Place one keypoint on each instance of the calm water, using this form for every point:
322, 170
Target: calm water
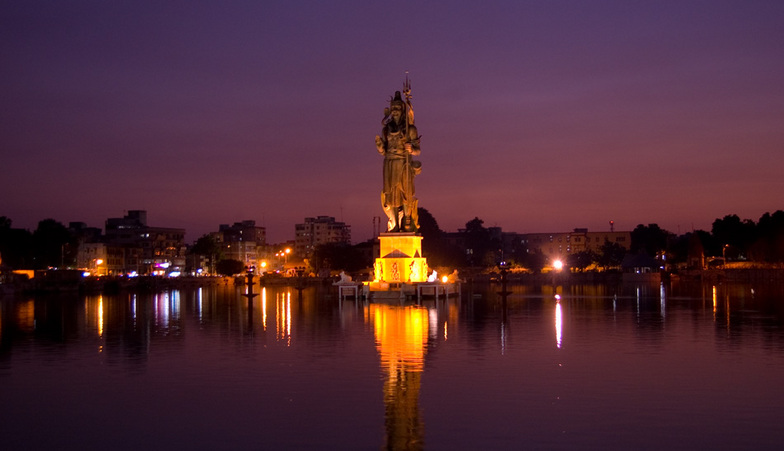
605, 368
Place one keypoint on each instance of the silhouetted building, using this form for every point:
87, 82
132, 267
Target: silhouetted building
133, 246
560, 245
319, 230
243, 241
243, 231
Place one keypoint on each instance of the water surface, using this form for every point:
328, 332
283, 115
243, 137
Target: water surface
580, 367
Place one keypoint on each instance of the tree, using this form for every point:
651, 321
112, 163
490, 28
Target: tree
611, 254
337, 256
736, 234
769, 244
649, 239
535, 260
208, 246
480, 247
581, 260
16, 245
434, 245
51, 242
229, 267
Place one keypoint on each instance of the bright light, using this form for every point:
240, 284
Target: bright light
174, 274
558, 265
99, 262
557, 297
444, 279
263, 264
86, 274
288, 251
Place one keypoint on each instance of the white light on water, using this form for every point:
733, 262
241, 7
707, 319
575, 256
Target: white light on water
558, 325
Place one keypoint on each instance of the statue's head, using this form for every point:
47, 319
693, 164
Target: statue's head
397, 107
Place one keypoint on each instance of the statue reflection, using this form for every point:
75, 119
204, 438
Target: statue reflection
401, 337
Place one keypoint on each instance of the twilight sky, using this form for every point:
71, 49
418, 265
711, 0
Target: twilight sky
535, 116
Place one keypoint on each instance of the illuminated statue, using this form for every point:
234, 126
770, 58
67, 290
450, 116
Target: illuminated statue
398, 142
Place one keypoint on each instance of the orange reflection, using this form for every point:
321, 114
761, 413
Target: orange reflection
100, 316
401, 334
264, 308
401, 337
283, 315
25, 316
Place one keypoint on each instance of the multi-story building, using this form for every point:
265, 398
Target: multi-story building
243, 231
93, 257
133, 246
319, 230
561, 244
243, 241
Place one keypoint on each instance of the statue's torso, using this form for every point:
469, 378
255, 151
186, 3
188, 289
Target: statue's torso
396, 144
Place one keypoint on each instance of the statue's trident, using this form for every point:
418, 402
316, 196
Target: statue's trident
408, 170
409, 108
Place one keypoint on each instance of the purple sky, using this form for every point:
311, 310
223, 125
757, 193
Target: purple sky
534, 116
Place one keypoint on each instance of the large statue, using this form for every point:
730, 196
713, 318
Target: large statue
398, 142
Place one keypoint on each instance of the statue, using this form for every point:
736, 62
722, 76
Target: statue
398, 143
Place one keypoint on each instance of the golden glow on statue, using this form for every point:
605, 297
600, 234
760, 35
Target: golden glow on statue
398, 143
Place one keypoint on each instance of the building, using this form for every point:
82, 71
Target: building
243, 231
562, 244
243, 241
93, 258
319, 230
134, 247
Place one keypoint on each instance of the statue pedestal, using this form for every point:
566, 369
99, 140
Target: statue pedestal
401, 260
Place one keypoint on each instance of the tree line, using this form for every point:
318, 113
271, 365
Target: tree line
52, 244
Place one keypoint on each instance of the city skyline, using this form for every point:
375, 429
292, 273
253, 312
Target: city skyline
533, 117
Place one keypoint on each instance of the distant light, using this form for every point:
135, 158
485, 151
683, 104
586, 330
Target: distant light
99, 262
444, 279
163, 265
86, 274
133, 274
174, 274
557, 297
558, 265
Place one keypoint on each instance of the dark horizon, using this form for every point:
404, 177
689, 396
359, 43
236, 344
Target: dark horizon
188, 240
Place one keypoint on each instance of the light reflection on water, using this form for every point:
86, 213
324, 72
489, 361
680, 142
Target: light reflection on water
588, 367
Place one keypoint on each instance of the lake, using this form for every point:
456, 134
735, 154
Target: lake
592, 367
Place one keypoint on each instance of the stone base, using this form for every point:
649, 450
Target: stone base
401, 260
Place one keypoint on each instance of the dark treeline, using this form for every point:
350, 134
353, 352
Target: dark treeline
52, 244
730, 237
